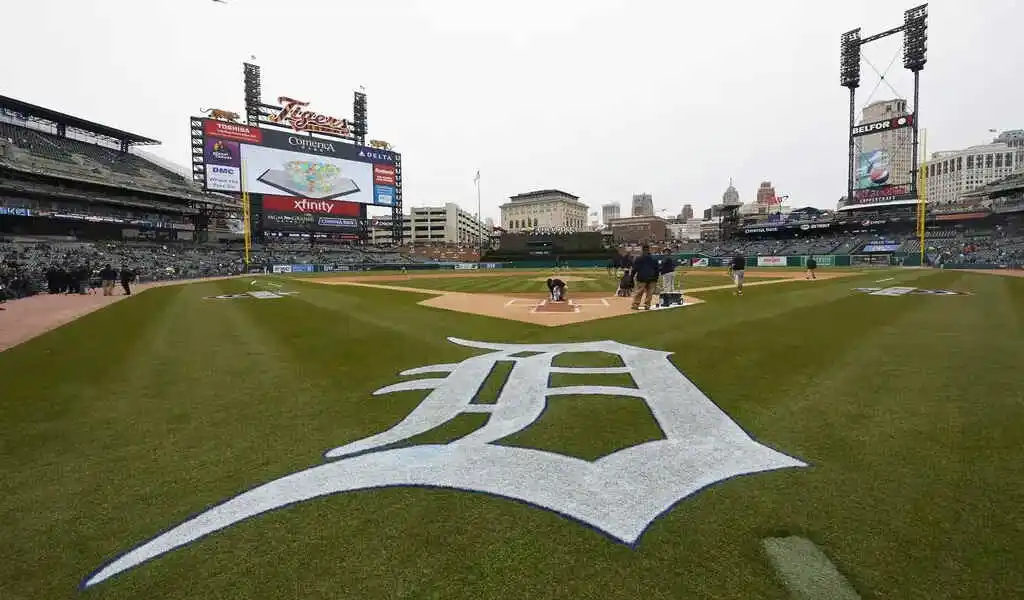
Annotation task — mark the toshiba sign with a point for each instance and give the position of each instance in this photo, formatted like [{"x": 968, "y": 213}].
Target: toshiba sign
[{"x": 880, "y": 126}]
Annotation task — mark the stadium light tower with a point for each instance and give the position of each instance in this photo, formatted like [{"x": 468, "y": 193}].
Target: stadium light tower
[
  {"x": 849, "y": 76},
  {"x": 915, "y": 55},
  {"x": 915, "y": 45}
]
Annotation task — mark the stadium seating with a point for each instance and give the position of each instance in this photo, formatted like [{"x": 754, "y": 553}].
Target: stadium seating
[{"x": 92, "y": 160}]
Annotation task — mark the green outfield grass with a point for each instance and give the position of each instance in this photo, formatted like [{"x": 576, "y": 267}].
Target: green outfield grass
[{"x": 909, "y": 411}]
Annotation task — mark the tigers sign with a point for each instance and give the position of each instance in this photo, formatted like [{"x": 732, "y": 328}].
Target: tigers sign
[{"x": 293, "y": 113}]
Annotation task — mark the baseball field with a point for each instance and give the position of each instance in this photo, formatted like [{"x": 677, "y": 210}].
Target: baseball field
[{"x": 460, "y": 437}]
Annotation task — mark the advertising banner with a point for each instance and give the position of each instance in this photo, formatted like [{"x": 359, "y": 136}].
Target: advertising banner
[
  {"x": 885, "y": 246},
  {"x": 700, "y": 262},
  {"x": 223, "y": 179},
  {"x": 295, "y": 165},
  {"x": 282, "y": 268},
  {"x": 15, "y": 212},
  {"x": 873, "y": 169},
  {"x": 332, "y": 208},
  {"x": 771, "y": 261},
  {"x": 466, "y": 265}
]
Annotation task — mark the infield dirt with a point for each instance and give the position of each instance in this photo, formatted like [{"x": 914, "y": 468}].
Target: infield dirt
[{"x": 535, "y": 308}]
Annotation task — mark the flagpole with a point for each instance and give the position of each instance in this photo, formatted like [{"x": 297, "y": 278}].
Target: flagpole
[{"x": 479, "y": 217}]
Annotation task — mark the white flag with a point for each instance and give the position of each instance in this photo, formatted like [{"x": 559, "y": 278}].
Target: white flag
[{"x": 476, "y": 179}]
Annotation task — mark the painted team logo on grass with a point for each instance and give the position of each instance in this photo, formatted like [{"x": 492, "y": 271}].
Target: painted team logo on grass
[
  {"x": 906, "y": 291},
  {"x": 258, "y": 294},
  {"x": 619, "y": 494}
]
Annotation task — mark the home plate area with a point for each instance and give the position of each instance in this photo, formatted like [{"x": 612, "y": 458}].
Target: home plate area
[{"x": 529, "y": 308}]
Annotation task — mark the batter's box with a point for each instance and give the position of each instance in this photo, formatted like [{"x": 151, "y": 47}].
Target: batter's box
[{"x": 523, "y": 302}]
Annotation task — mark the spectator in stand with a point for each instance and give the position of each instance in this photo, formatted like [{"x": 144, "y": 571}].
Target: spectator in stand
[{"x": 645, "y": 271}]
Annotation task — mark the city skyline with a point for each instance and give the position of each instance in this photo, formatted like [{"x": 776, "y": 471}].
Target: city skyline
[{"x": 685, "y": 140}]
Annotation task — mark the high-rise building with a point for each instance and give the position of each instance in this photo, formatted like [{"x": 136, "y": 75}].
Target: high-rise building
[
  {"x": 1013, "y": 138},
  {"x": 610, "y": 211},
  {"x": 544, "y": 210},
  {"x": 765, "y": 195},
  {"x": 896, "y": 143},
  {"x": 952, "y": 174},
  {"x": 643, "y": 205},
  {"x": 687, "y": 213}
]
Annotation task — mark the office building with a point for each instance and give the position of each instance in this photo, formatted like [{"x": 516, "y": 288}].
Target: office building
[
  {"x": 610, "y": 211},
  {"x": 547, "y": 210},
  {"x": 643, "y": 205},
  {"x": 952, "y": 174}
]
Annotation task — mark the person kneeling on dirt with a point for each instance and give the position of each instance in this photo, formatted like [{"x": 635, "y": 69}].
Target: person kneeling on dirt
[
  {"x": 625, "y": 285},
  {"x": 556, "y": 287}
]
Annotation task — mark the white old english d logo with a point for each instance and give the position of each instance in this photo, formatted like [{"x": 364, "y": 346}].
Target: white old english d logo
[{"x": 619, "y": 494}]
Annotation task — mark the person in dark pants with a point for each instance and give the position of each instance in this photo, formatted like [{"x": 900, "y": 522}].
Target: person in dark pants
[
  {"x": 668, "y": 273},
  {"x": 108, "y": 276},
  {"x": 811, "y": 266},
  {"x": 556, "y": 288},
  {"x": 127, "y": 277},
  {"x": 626, "y": 285},
  {"x": 645, "y": 271},
  {"x": 736, "y": 269}
]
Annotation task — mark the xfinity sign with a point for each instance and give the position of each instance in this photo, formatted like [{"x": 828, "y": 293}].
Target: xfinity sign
[{"x": 879, "y": 126}]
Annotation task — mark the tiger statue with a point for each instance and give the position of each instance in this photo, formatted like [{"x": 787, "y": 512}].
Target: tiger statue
[{"x": 221, "y": 115}]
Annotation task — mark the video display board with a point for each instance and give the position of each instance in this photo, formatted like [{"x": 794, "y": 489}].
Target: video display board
[
  {"x": 240, "y": 158},
  {"x": 884, "y": 166}
]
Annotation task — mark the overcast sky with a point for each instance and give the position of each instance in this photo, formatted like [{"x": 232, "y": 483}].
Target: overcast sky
[{"x": 600, "y": 98}]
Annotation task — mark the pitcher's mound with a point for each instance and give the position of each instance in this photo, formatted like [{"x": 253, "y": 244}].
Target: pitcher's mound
[{"x": 565, "y": 278}]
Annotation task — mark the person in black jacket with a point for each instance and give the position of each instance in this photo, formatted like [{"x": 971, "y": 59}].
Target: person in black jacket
[
  {"x": 736, "y": 269},
  {"x": 645, "y": 271},
  {"x": 108, "y": 276},
  {"x": 556, "y": 287},
  {"x": 811, "y": 266},
  {"x": 127, "y": 277},
  {"x": 668, "y": 273}
]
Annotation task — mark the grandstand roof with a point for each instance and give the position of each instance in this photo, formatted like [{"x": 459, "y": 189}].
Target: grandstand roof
[{"x": 31, "y": 110}]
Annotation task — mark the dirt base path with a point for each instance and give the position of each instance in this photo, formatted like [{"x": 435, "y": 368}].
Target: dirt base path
[{"x": 26, "y": 318}]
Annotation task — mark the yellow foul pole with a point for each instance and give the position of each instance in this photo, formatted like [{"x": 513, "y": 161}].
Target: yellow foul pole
[
  {"x": 922, "y": 192},
  {"x": 246, "y": 217}
]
